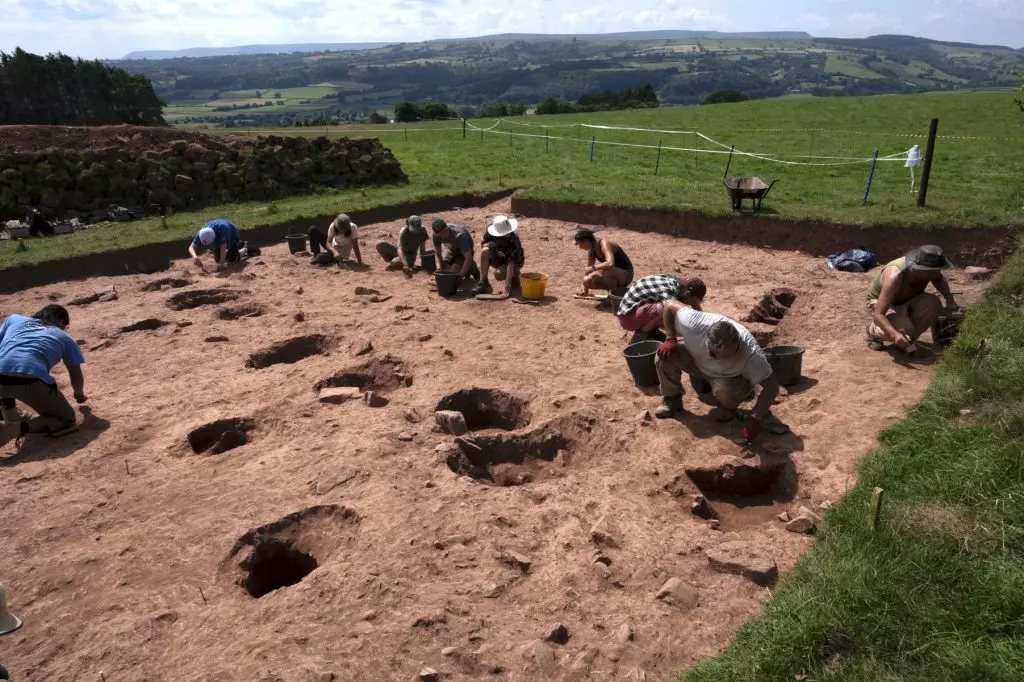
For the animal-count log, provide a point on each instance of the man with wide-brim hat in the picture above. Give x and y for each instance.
(900, 308)
(503, 251)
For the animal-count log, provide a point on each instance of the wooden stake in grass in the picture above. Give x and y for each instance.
(876, 507)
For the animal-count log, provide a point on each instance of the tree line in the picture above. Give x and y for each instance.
(643, 97)
(58, 90)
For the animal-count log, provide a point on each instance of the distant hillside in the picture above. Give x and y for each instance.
(683, 67)
(251, 49)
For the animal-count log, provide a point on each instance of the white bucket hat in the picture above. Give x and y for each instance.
(8, 621)
(502, 226)
(207, 235)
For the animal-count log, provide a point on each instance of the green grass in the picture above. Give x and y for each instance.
(849, 67)
(937, 593)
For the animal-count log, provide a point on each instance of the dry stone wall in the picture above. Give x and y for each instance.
(72, 182)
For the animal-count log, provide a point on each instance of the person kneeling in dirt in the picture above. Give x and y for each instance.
(900, 309)
(460, 248)
(29, 348)
(340, 242)
(719, 355)
(224, 240)
(412, 239)
(503, 251)
(642, 308)
(608, 265)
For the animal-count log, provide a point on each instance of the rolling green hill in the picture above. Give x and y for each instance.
(683, 67)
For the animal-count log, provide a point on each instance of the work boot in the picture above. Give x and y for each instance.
(9, 431)
(670, 406)
(484, 287)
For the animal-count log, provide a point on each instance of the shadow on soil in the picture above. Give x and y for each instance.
(39, 448)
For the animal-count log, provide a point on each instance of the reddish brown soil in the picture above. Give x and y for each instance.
(122, 546)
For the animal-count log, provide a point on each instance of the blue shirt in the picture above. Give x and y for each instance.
(225, 233)
(30, 348)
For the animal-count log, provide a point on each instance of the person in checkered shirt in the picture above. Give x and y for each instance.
(641, 308)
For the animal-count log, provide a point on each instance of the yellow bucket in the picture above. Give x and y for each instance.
(533, 284)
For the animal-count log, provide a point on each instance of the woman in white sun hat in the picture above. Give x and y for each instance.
(503, 251)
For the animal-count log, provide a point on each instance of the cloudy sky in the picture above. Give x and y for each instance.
(112, 28)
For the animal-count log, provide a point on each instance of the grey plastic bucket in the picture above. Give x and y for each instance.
(640, 360)
(447, 282)
(786, 362)
(429, 261)
(296, 242)
(615, 297)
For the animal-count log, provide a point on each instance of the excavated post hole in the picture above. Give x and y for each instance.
(744, 493)
(772, 307)
(488, 408)
(187, 300)
(380, 375)
(239, 311)
(282, 553)
(170, 282)
(146, 325)
(291, 351)
(220, 436)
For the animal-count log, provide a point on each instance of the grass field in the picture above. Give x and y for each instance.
(937, 592)
(977, 179)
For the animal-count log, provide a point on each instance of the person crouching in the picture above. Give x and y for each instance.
(503, 251)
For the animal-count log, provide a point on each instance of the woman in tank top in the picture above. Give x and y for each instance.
(608, 265)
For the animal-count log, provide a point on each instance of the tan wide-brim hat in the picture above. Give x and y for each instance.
(8, 621)
(502, 226)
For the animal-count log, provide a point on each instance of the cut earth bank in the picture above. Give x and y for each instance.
(402, 563)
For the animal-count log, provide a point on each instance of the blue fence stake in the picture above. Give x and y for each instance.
(871, 176)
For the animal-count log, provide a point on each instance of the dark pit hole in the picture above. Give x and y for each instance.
(186, 300)
(147, 325)
(381, 375)
(488, 408)
(239, 311)
(274, 564)
(745, 493)
(772, 307)
(507, 460)
(172, 282)
(220, 436)
(290, 351)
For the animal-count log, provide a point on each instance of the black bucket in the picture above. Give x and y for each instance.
(615, 297)
(640, 360)
(946, 328)
(447, 282)
(296, 242)
(787, 363)
(429, 261)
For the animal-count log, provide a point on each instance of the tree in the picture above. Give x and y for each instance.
(277, 95)
(377, 117)
(723, 96)
(1020, 103)
(517, 110)
(406, 112)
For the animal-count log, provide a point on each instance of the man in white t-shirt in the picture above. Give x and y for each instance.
(341, 241)
(716, 351)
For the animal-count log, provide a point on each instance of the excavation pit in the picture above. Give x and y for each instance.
(220, 436)
(772, 307)
(147, 325)
(488, 408)
(291, 351)
(166, 282)
(239, 311)
(379, 375)
(745, 493)
(187, 300)
(285, 552)
(512, 459)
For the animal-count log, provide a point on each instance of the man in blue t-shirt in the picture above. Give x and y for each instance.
(224, 240)
(29, 348)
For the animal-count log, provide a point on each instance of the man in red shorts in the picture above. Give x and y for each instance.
(642, 306)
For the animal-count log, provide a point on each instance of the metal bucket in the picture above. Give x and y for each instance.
(786, 362)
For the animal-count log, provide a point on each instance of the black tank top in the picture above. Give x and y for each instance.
(619, 260)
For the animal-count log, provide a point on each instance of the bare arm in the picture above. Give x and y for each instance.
(77, 382)
(223, 255)
(192, 251)
(467, 263)
(608, 251)
(890, 285)
(355, 248)
(668, 318)
(942, 286)
(769, 391)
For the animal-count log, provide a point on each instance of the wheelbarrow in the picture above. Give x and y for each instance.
(754, 189)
